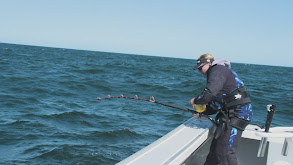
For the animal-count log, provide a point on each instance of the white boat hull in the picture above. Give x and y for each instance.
(189, 144)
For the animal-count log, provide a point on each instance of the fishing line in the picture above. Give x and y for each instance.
(152, 100)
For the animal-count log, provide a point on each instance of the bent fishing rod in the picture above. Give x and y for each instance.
(152, 99)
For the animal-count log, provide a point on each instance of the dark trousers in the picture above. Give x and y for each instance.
(223, 150)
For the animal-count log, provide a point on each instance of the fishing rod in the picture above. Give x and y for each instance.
(152, 99)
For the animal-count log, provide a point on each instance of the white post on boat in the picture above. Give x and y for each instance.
(288, 143)
(262, 147)
(263, 143)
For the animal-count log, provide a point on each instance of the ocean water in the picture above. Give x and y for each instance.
(49, 113)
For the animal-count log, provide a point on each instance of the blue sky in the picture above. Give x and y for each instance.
(250, 31)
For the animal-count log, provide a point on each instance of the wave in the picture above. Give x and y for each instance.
(19, 122)
(89, 71)
(10, 101)
(120, 133)
(54, 155)
(24, 124)
(68, 115)
(69, 122)
(71, 154)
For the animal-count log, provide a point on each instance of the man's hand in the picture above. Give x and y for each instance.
(195, 115)
(192, 102)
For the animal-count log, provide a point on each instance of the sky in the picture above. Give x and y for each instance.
(242, 31)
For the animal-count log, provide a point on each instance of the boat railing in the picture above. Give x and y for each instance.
(277, 132)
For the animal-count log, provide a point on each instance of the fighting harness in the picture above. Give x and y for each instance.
(226, 117)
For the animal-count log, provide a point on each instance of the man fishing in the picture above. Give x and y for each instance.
(226, 95)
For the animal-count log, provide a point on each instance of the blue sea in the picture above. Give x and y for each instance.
(50, 115)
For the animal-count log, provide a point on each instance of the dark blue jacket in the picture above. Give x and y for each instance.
(221, 80)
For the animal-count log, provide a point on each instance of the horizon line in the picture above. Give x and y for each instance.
(130, 53)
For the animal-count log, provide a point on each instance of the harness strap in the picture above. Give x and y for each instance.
(222, 120)
(240, 102)
(231, 96)
(225, 121)
(236, 98)
(220, 128)
(238, 123)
